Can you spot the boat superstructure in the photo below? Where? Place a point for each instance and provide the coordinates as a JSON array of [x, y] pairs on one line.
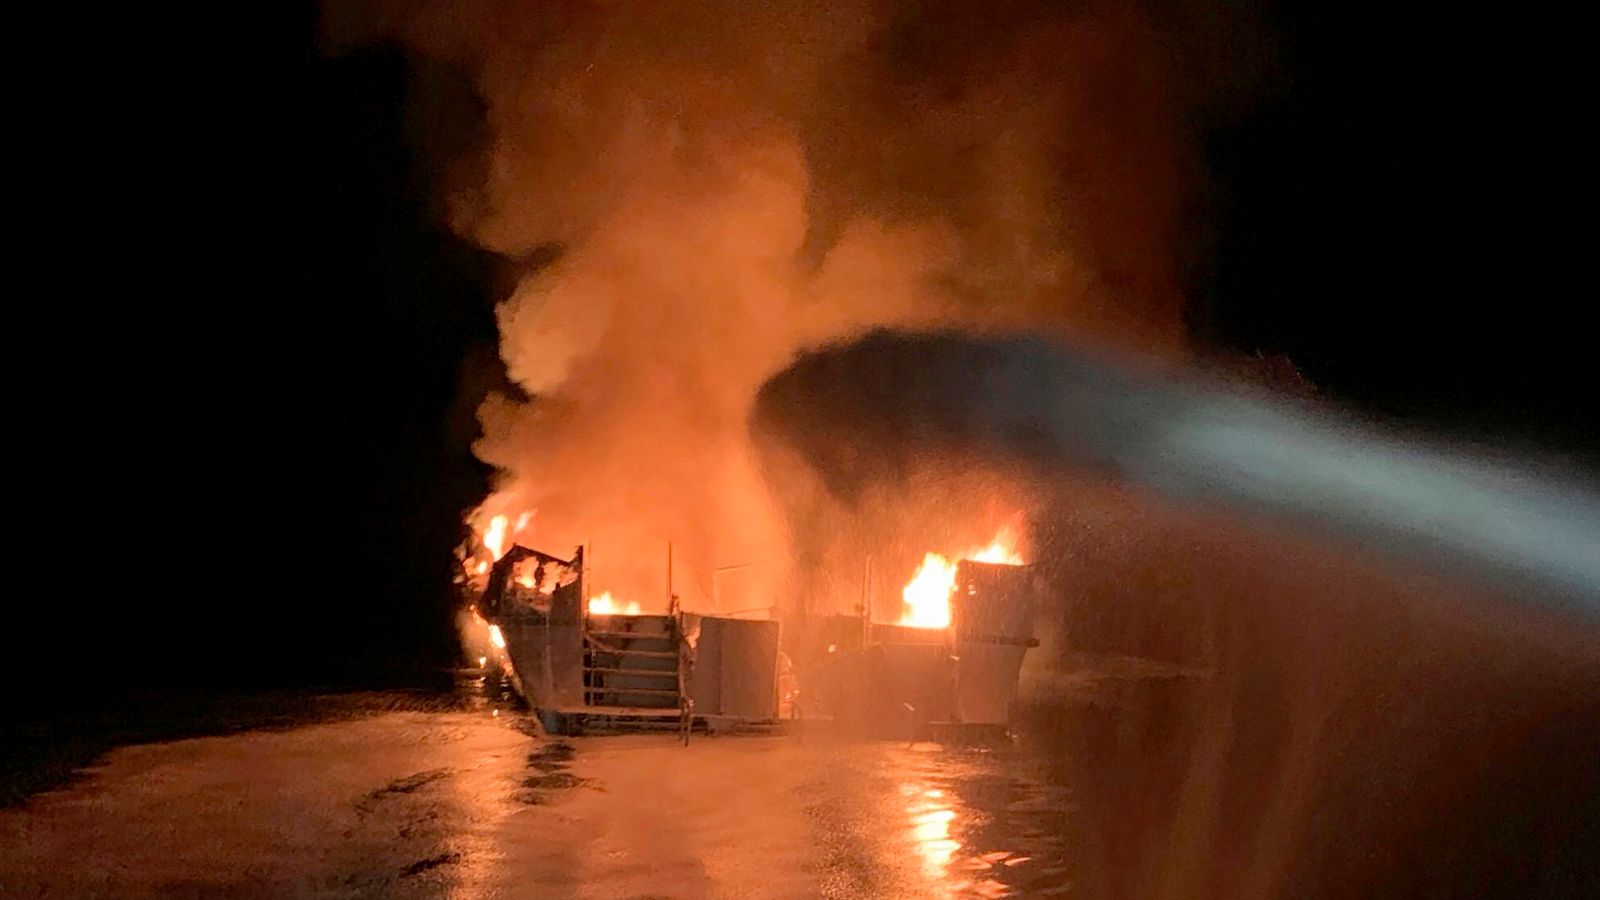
[[584, 671]]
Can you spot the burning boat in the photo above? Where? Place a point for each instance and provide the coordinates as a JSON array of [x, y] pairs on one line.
[[949, 666], [588, 663]]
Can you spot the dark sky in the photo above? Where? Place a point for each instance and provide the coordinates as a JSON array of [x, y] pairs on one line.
[[1401, 221], [1401, 217]]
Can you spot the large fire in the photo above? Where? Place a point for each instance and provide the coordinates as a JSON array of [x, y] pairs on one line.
[[496, 537], [927, 594]]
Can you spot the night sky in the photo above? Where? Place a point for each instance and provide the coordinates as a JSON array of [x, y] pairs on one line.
[[1400, 216]]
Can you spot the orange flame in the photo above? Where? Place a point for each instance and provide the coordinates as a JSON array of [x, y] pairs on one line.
[[496, 638], [1003, 549], [494, 537], [605, 605], [927, 594]]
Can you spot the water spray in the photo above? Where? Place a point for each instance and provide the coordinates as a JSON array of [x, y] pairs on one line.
[[1198, 442]]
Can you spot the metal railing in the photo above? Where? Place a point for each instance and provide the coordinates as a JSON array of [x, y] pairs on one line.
[[685, 660]]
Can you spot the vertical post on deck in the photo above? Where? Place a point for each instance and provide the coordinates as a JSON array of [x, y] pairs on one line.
[[866, 601]]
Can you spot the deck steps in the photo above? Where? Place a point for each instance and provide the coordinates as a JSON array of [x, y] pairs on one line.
[[650, 692], [646, 654], [617, 650]]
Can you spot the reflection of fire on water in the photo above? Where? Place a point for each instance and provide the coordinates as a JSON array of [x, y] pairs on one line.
[[936, 819], [931, 818], [927, 594]]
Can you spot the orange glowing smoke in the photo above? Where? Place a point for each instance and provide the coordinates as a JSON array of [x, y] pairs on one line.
[[606, 605], [927, 594]]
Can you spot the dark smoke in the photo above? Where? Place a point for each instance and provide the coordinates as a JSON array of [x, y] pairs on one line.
[[851, 408]]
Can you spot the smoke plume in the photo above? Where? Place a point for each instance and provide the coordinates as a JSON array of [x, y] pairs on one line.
[[695, 191]]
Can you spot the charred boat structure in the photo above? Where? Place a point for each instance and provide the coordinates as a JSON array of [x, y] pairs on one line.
[[583, 668], [919, 682], [585, 672]]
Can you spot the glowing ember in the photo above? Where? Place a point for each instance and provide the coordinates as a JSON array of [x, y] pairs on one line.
[[606, 605], [927, 594], [496, 638]]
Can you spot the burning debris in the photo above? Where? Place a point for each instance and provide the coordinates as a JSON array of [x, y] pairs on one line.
[[531, 570]]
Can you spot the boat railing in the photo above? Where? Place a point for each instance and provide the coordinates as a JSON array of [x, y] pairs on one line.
[[685, 660]]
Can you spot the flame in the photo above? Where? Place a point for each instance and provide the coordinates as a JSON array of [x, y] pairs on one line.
[[606, 605], [493, 540], [927, 594], [494, 537], [496, 638], [1000, 550]]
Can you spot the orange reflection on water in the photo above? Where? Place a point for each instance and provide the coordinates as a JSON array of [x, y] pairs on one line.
[[931, 818], [936, 819]]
